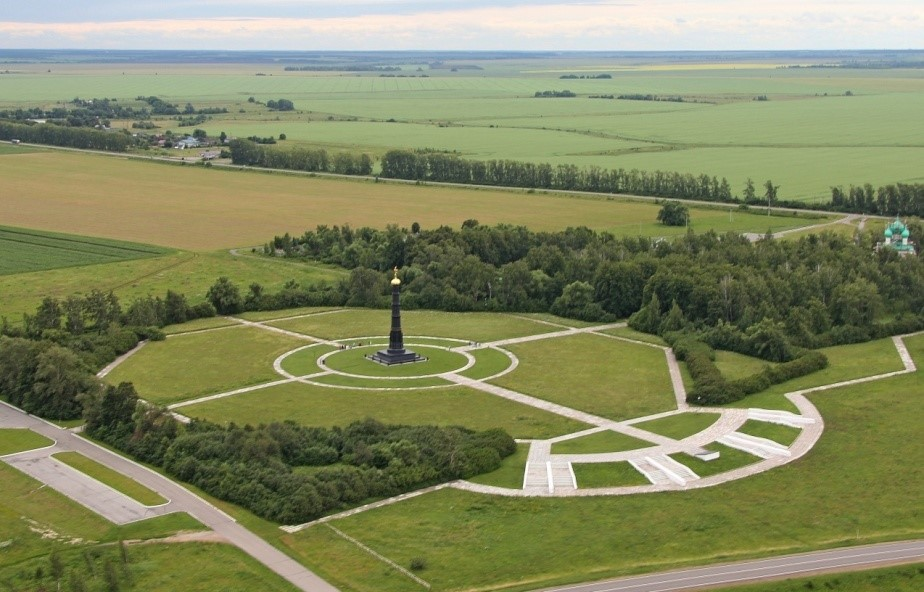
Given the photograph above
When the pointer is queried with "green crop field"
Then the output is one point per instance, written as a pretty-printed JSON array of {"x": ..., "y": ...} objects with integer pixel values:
[
  {"x": 31, "y": 250},
  {"x": 807, "y": 136}
]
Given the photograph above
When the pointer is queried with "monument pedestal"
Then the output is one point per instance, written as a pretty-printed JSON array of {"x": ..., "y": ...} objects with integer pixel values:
[{"x": 389, "y": 357}]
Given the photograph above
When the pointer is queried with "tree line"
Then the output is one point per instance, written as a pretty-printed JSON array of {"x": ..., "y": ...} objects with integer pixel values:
[
  {"x": 68, "y": 137},
  {"x": 249, "y": 153},
  {"x": 818, "y": 290}
]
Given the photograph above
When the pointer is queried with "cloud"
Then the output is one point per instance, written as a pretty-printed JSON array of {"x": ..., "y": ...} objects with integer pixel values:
[{"x": 669, "y": 25}]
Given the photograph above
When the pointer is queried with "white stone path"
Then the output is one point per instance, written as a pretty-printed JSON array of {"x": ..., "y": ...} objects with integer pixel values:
[{"x": 547, "y": 474}]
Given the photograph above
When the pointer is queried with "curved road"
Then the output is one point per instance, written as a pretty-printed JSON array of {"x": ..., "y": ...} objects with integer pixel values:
[
  {"x": 775, "y": 568},
  {"x": 181, "y": 499}
]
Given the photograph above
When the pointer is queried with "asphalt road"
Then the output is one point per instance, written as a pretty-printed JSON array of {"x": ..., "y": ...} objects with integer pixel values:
[
  {"x": 181, "y": 499},
  {"x": 775, "y": 568}
]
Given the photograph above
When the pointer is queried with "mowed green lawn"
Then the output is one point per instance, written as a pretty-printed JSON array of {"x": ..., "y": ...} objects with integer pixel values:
[
  {"x": 189, "y": 366},
  {"x": 854, "y": 487},
  {"x": 607, "y": 377},
  {"x": 325, "y": 406},
  {"x": 479, "y": 327},
  {"x": 13, "y": 440}
]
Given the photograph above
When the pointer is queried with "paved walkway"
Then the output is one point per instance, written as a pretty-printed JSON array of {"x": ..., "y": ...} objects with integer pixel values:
[{"x": 181, "y": 499}]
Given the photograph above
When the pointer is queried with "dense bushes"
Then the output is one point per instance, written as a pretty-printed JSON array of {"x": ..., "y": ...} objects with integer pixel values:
[
  {"x": 711, "y": 388},
  {"x": 288, "y": 473}
]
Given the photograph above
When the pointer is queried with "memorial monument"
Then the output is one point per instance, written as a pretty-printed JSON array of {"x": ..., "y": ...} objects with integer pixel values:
[{"x": 396, "y": 353}]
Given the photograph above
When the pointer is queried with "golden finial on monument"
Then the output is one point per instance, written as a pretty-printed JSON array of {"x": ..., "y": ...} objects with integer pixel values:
[{"x": 395, "y": 281}]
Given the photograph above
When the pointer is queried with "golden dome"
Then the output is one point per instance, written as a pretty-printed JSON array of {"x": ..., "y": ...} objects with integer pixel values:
[{"x": 395, "y": 281}]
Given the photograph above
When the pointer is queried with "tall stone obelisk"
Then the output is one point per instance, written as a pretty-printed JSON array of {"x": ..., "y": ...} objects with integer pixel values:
[{"x": 396, "y": 353}]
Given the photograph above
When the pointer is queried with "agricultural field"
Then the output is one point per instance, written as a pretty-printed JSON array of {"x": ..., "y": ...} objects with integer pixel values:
[
  {"x": 23, "y": 251},
  {"x": 813, "y": 128}
]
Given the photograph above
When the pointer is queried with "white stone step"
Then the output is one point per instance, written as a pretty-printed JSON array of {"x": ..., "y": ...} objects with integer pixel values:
[
  {"x": 562, "y": 476},
  {"x": 755, "y": 445},
  {"x": 777, "y": 416},
  {"x": 536, "y": 476},
  {"x": 655, "y": 474},
  {"x": 677, "y": 471}
]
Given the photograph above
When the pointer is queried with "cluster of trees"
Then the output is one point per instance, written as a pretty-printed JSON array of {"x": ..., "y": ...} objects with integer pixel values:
[
  {"x": 82, "y": 113},
  {"x": 68, "y": 137},
  {"x": 644, "y": 97},
  {"x": 905, "y": 199},
  {"x": 821, "y": 289},
  {"x": 249, "y": 153},
  {"x": 280, "y": 105},
  {"x": 344, "y": 68},
  {"x": 556, "y": 94},
  {"x": 674, "y": 213},
  {"x": 263, "y": 468},
  {"x": 587, "y": 76}
]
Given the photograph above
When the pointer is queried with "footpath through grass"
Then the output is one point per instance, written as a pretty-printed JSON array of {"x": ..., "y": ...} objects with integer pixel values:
[
  {"x": 327, "y": 407},
  {"x": 858, "y": 485},
  {"x": 113, "y": 479}
]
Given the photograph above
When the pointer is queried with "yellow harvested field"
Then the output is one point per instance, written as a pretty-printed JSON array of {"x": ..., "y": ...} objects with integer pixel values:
[{"x": 198, "y": 208}]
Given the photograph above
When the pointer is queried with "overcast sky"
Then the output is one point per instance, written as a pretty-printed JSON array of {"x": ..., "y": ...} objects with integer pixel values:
[{"x": 470, "y": 24}]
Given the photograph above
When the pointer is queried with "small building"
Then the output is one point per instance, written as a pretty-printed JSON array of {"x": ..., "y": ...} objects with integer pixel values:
[
  {"x": 187, "y": 142},
  {"x": 898, "y": 238},
  {"x": 210, "y": 154}
]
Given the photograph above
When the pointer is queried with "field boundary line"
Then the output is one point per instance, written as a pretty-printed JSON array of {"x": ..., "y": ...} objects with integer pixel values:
[{"x": 378, "y": 556}]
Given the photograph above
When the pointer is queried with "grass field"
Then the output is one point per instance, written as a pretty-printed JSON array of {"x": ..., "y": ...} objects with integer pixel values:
[
  {"x": 23, "y": 250},
  {"x": 615, "y": 474},
  {"x": 19, "y": 440},
  {"x": 200, "y": 364},
  {"x": 834, "y": 496},
  {"x": 679, "y": 426},
  {"x": 734, "y": 366},
  {"x": 778, "y": 433},
  {"x": 35, "y": 518},
  {"x": 559, "y": 370},
  {"x": 164, "y": 567},
  {"x": 605, "y": 441},
  {"x": 845, "y": 362},
  {"x": 113, "y": 479},
  {"x": 480, "y": 327},
  {"x": 510, "y": 473},
  {"x": 320, "y": 406},
  {"x": 188, "y": 273}
]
